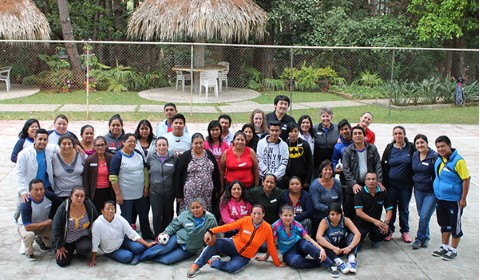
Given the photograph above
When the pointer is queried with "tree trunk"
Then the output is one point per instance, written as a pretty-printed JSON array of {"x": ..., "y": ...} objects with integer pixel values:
[
  {"x": 263, "y": 57},
  {"x": 109, "y": 47},
  {"x": 72, "y": 51},
  {"x": 458, "y": 61}
]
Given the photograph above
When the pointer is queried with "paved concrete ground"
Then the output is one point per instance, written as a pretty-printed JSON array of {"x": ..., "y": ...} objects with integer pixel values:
[{"x": 393, "y": 260}]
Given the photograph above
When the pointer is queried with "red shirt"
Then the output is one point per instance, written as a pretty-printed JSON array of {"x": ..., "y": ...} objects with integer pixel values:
[{"x": 239, "y": 168}]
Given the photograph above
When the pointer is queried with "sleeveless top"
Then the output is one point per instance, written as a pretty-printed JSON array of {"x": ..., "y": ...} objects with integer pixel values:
[
  {"x": 239, "y": 168},
  {"x": 336, "y": 234}
]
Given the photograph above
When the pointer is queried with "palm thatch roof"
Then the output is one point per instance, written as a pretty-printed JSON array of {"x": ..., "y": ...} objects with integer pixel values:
[
  {"x": 22, "y": 20},
  {"x": 225, "y": 20}
]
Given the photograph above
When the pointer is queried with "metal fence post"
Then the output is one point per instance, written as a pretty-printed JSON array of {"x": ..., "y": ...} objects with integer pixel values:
[
  {"x": 87, "y": 78},
  {"x": 391, "y": 85},
  {"x": 291, "y": 81}
]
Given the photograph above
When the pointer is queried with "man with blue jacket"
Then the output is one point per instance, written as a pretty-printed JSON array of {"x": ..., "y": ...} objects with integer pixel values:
[{"x": 451, "y": 188}]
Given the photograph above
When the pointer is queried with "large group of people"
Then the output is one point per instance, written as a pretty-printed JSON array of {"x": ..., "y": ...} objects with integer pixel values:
[{"x": 307, "y": 189}]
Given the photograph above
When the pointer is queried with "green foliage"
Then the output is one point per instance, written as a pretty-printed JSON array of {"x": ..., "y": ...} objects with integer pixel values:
[
  {"x": 53, "y": 62},
  {"x": 444, "y": 19},
  {"x": 369, "y": 79},
  {"x": 471, "y": 91},
  {"x": 309, "y": 78},
  {"x": 273, "y": 84}
]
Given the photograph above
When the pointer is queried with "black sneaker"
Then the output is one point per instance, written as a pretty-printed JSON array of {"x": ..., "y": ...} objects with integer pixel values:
[
  {"x": 334, "y": 271},
  {"x": 31, "y": 257},
  {"x": 440, "y": 252},
  {"x": 450, "y": 255},
  {"x": 42, "y": 245}
]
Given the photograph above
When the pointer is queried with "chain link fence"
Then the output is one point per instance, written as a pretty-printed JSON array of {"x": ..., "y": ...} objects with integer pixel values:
[{"x": 404, "y": 76}]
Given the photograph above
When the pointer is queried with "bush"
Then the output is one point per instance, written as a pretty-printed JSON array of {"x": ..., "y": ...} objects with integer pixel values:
[{"x": 308, "y": 78}]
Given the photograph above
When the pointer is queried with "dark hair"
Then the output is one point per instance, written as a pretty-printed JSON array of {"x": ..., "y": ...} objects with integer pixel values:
[
  {"x": 34, "y": 181},
  {"x": 324, "y": 164},
  {"x": 41, "y": 131},
  {"x": 301, "y": 119},
  {"x": 274, "y": 123},
  {"x": 366, "y": 113},
  {"x": 170, "y": 104},
  {"x": 443, "y": 139},
  {"x": 211, "y": 126},
  {"x": 111, "y": 202},
  {"x": 115, "y": 117},
  {"x": 240, "y": 132},
  {"x": 342, "y": 123},
  {"x": 404, "y": 133},
  {"x": 85, "y": 127},
  {"x": 371, "y": 172},
  {"x": 259, "y": 206},
  {"x": 227, "y": 194},
  {"x": 197, "y": 135},
  {"x": 24, "y": 132},
  {"x": 420, "y": 136},
  {"x": 99, "y": 138},
  {"x": 225, "y": 116},
  {"x": 335, "y": 207},
  {"x": 286, "y": 208},
  {"x": 77, "y": 188},
  {"x": 161, "y": 138},
  {"x": 272, "y": 175},
  {"x": 63, "y": 137},
  {"x": 291, "y": 126},
  {"x": 60, "y": 117},
  {"x": 248, "y": 125},
  {"x": 359, "y": 128},
  {"x": 179, "y": 116},
  {"x": 149, "y": 125},
  {"x": 294, "y": 178},
  {"x": 281, "y": 98},
  {"x": 128, "y": 135}
]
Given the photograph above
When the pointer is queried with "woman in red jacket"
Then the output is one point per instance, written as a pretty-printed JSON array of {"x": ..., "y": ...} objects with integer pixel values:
[{"x": 253, "y": 231}]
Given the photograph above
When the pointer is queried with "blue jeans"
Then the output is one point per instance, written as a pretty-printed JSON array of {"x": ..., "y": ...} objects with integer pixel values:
[
  {"x": 425, "y": 207},
  {"x": 223, "y": 246},
  {"x": 295, "y": 256},
  {"x": 127, "y": 251},
  {"x": 344, "y": 242},
  {"x": 169, "y": 253},
  {"x": 142, "y": 207},
  {"x": 399, "y": 195}
]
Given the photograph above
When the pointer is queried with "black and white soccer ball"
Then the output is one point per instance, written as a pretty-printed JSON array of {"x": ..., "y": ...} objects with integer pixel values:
[{"x": 163, "y": 238}]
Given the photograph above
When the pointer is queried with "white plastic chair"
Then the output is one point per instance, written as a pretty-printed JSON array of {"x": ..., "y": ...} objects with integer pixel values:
[
  {"x": 181, "y": 77},
  {"x": 209, "y": 79},
  {"x": 5, "y": 76},
  {"x": 223, "y": 75}
]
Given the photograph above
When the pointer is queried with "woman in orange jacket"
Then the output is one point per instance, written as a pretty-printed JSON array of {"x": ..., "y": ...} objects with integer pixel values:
[{"x": 253, "y": 231}]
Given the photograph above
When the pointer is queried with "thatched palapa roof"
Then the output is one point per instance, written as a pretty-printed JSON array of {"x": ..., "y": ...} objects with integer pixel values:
[
  {"x": 22, "y": 20},
  {"x": 226, "y": 20}
]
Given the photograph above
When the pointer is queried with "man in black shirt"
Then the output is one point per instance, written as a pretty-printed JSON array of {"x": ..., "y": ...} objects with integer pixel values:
[{"x": 281, "y": 103}]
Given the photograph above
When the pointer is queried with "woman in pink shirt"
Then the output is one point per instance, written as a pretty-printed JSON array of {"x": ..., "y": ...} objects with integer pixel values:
[
  {"x": 215, "y": 143},
  {"x": 234, "y": 204}
]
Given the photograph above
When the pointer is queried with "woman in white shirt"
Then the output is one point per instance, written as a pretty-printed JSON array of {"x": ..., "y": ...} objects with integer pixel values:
[{"x": 109, "y": 232}]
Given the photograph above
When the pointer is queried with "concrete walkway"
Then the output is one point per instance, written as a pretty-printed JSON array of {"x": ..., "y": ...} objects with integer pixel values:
[{"x": 393, "y": 260}]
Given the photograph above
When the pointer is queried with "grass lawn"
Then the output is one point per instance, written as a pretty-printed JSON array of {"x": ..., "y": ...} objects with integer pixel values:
[{"x": 452, "y": 115}]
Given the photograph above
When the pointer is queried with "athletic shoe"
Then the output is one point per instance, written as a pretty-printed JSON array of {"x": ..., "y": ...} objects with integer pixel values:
[
  {"x": 31, "y": 257},
  {"x": 22, "y": 247},
  {"x": 389, "y": 237},
  {"x": 334, "y": 271},
  {"x": 194, "y": 270},
  {"x": 440, "y": 252},
  {"x": 416, "y": 245},
  {"x": 450, "y": 255},
  {"x": 353, "y": 267},
  {"x": 425, "y": 244},
  {"x": 212, "y": 259},
  {"x": 406, "y": 237},
  {"x": 41, "y": 244},
  {"x": 344, "y": 268}
]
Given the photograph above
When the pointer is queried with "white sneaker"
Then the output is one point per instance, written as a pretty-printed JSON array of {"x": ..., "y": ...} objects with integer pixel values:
[{"x": 22, "y": 247}]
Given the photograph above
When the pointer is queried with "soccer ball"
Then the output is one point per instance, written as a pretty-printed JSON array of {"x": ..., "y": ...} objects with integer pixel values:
[{"x": 163, "y": 238}]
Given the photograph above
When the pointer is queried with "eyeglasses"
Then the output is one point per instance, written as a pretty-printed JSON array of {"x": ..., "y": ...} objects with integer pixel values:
[{"x": 100, "y": 145}]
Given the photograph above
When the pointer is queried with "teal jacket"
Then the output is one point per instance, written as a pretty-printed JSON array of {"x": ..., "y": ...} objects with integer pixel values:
[{"x": 189, "y": 235}]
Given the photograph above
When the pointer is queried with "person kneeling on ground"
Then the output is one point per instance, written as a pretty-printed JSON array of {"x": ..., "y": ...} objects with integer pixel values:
[
  {"x": 295, "y": 243},
  {"x": 186, "y": 235},
  {"x": 253, "y": 231},
  {"x": 114, "y": 235},
  {"x": 36, "y": 218},
  {"x": 339, "y": 236},
  {"x": 368, "y": 205}
]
